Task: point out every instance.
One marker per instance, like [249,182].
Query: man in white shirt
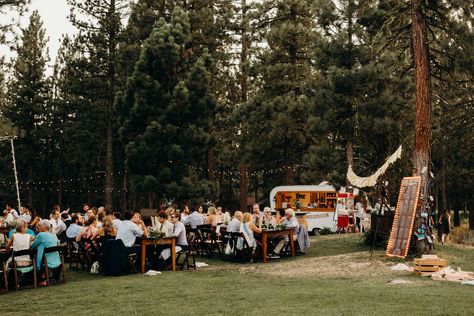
[74,229]
[57,223]
[194,219]
[290,222]
[128,231]
[164,225]
[10,213]
[234,225]
[25,214]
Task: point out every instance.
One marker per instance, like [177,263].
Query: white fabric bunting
[362,182]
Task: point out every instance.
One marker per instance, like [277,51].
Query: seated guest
[34,220]
[45,239]
[117,219]
[248,228]
[20,240]
[185,212]
[290,222]
[66,211]
[194,219]
[234,225]
[128,231]
[74,229]
[164,225]
[137,219]
[220,213]
[100,217]
[280,218]
[25,213]
[89,231]
[57,224]
[212,218]
[108,230]
[10,213]
[200,210]
[66,219]
[179,231]
[257,214]
[268,219]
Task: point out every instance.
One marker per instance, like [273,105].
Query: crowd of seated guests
[97,225]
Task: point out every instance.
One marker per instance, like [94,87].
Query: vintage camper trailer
[317,201]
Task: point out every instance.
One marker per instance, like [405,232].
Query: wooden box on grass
[426,266]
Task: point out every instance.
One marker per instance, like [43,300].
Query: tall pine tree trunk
[210,164]
[123,192]
[349,156]
[422,146]
[244,186]
[109,164]
[244,180]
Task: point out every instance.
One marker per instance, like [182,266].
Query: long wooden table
[275,233]
[163,241]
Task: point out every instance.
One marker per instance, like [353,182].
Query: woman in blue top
[46,239]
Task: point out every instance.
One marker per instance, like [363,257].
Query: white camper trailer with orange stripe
[318,202]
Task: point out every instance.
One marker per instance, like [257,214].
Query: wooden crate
[426,267]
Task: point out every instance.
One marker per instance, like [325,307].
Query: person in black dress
[445,221]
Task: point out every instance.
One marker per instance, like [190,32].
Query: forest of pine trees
[222,100]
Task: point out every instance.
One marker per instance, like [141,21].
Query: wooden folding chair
[210,240]
[61,250]
[189,253]
[74,253]
[32,254]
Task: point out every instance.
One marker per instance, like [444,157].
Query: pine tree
[100,25]
[274,121]
[78,136]
[167,125]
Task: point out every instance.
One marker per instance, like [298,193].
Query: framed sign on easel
[402,228]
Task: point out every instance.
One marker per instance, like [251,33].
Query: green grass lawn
[236,289]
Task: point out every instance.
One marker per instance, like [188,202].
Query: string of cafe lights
[99,175]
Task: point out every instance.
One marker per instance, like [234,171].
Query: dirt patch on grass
[345,265]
